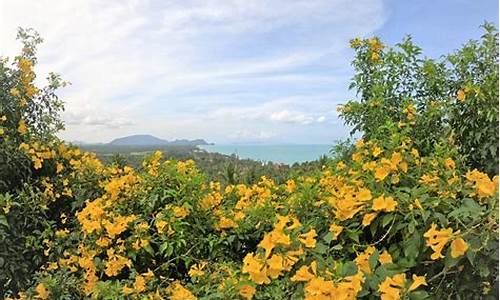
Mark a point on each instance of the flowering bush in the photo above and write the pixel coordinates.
(385, 221)
(454, 98)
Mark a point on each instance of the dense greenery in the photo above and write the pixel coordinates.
(398, 215)
(226, 169)
(452, 99)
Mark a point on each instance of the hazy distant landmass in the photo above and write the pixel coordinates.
(149, 140)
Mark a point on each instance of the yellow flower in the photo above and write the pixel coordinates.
(359, 143)
(275, 266)
(115, 264)
(197, 269)
(437, 239)
(118, 225)
(362, 260)
(127, 290)
(295, 224)
(357, 157)
(308, 239)
(336, 230)
(386, 204)
(368, 218)
(247, 291)
(418, 204)
(21, 128)
(355, 43)
(290, 186)
(302, 274)
(255, 268)
(461, 95)
(385, 258)
(458, 247)
(37, 163)
(364, 195)
(449, 163)
(14, 92)
(376, 151)
(180, 212)
(226, 223)
(1, 131)
(381, 173)
(417, 281)
(291, 257)
(178, 292)
(273, 238)
(341, 165)
(391, 287)
(42, 292)
(139, 284)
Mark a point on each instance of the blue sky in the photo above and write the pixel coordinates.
(226, 71)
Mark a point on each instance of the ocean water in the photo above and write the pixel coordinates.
(287, 154)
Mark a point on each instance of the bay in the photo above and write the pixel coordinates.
(286, 154)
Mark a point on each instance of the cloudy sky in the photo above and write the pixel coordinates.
(223, 70)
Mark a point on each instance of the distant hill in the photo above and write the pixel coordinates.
(149, 140)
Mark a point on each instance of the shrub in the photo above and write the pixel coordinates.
(454, 98)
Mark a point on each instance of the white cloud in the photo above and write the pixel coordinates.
(292, 117)
(321, 119)
(128, 59)
(251, 135)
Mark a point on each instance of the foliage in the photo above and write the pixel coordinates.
(25, 110)
(227, 169)
(454, 98)
(383, 219)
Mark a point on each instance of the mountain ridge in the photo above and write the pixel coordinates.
(150, 140)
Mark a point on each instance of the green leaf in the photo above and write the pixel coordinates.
(321, 248)
(387, 219)
(349, 269)
(328, 237)
(373, 260)
(419, 295)
(3, 221)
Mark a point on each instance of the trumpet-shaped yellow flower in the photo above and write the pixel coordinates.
(275, 265)
(308, 239)
(417, 282)
(391, 287)
(386, 204)
(458, 247)
(385, 258)
(437, 239)
(247, 291)
(178, 292)
(42, 292)
(368, 218)
(255, 267)
(336, 230)
(381, 172)
(302, 274)
(362, 260)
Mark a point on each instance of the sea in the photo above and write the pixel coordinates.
(286, 154)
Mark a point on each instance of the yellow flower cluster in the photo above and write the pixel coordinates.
(392, 287)
(261, 267)
(37, 152)
(484, 186)
(437, 240)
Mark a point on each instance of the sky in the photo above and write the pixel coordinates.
(227, 71)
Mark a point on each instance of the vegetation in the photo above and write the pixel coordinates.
(226, 169)
(401, 214)
(454, 99)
